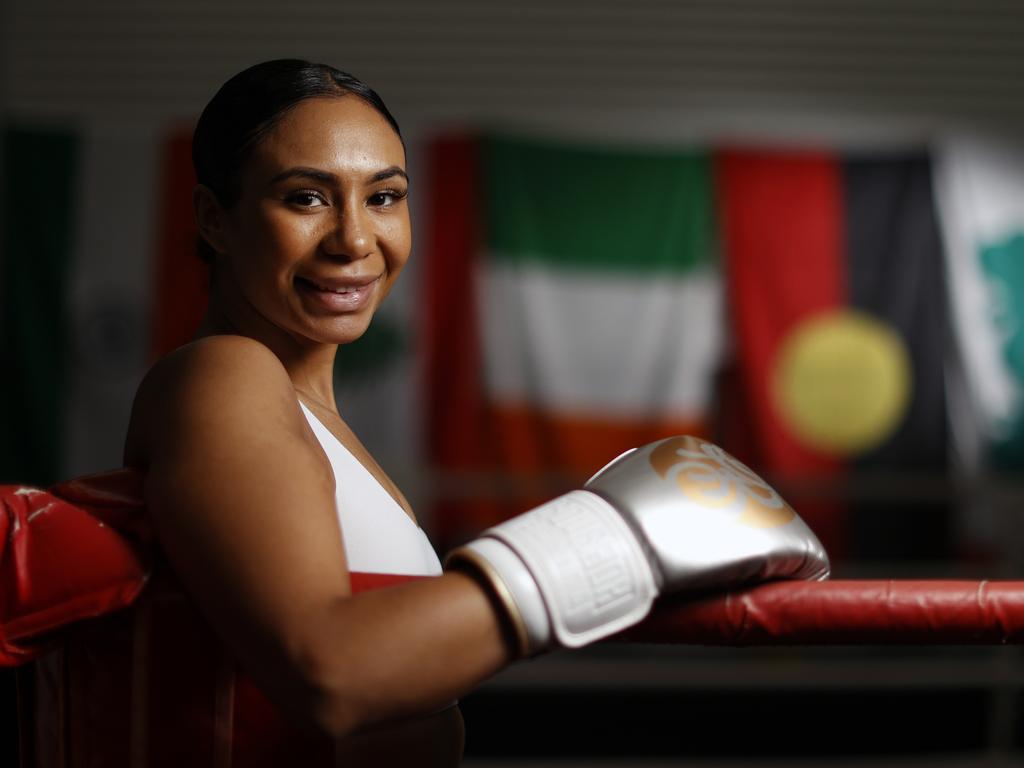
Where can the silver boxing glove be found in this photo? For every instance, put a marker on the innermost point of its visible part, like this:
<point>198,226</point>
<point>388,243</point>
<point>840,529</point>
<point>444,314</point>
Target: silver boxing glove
<point>677,514</point>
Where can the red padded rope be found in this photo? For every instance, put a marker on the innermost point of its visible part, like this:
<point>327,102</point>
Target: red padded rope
<point>862,612</point>
<point>84,549</point>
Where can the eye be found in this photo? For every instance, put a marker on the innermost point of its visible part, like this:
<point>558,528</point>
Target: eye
<point>307,198</point>
<point>385,198</point>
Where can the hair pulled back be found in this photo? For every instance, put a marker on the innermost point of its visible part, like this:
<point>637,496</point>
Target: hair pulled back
<point>246,109</point>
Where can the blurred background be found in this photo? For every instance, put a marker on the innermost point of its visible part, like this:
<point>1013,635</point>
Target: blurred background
<point>794,227</point>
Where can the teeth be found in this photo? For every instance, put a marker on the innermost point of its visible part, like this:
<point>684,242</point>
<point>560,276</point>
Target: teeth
<point>347,289</point>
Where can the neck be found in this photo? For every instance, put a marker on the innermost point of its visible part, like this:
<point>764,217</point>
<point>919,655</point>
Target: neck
<point>310,365</point>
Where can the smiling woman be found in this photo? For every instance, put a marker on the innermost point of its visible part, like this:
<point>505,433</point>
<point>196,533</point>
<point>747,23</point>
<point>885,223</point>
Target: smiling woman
<point>320,228</point>
<point>272,518</point>
<point>299,615</point>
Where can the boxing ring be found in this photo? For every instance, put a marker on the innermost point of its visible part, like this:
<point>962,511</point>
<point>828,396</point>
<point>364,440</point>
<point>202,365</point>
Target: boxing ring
<point>83,549</point>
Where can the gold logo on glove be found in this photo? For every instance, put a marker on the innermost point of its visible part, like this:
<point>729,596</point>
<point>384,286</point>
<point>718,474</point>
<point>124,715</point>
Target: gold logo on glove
<point>709,476</point>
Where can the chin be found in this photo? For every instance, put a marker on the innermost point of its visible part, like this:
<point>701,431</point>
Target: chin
<point>346,335</point>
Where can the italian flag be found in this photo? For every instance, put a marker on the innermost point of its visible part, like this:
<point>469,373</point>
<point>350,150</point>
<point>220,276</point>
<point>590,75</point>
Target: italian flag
<point>573,311</point>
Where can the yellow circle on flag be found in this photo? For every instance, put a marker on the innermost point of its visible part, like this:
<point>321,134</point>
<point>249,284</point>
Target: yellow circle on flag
<point>842,381</point>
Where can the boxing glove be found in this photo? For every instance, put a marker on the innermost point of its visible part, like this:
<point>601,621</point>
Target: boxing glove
<point>677,514</point>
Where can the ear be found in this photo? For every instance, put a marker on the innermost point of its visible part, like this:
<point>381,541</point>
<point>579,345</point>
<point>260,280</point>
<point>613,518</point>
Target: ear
<point>210,218</point>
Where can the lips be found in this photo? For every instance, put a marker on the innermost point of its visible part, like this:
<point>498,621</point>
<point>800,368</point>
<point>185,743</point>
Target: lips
<point>348,294</point>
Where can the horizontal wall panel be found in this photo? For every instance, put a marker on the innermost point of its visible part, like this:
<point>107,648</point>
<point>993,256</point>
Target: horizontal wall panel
<point>912,65</point>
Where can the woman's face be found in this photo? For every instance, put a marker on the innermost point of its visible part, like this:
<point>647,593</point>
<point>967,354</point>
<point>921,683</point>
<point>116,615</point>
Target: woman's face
<point>321,227</point>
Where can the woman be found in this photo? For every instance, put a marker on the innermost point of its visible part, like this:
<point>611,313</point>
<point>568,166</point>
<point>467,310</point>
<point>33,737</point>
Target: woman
<point>276,523</point>
<point>303,214</point>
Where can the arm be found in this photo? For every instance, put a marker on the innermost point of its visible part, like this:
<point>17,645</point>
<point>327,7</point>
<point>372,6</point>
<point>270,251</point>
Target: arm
<point>243,503</point>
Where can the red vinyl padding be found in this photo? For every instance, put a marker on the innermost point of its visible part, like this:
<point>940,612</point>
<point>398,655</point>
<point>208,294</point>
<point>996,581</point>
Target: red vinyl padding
<point>838,612</point>
<point>78,550</point>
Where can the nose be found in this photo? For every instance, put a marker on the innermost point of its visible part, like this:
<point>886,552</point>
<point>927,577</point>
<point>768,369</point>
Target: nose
<point>350,237</point>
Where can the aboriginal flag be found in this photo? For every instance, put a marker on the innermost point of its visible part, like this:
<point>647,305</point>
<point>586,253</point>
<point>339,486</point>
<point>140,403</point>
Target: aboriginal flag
<point>837,302</point>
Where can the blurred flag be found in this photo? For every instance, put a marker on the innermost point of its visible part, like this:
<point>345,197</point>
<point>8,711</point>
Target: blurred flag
<point>980,194</point>
<point>100,277</point>
<point>574,311</point>
<point>180,278</point>
<point>112,288</point>
<point>39,207</point>
<point>837,301</point>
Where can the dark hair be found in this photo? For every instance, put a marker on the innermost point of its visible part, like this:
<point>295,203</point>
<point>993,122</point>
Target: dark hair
<point>246,109</point>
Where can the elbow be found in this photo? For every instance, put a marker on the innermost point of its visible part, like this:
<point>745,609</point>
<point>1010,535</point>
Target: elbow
<point>335,699</point>
<point>333,718</point>
<point>344,680</point>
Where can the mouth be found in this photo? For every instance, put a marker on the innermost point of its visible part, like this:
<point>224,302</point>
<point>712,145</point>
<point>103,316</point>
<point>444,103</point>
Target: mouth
<point>338,285</point>
<point>338,295</point>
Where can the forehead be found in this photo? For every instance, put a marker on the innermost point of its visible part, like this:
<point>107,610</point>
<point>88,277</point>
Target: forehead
<point>337,134</point>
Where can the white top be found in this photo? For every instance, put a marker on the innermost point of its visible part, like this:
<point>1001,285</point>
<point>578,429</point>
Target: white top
<point>379,536</point>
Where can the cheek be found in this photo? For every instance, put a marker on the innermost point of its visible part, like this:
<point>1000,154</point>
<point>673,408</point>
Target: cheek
<point>281,240</point>
<point>399,244</point>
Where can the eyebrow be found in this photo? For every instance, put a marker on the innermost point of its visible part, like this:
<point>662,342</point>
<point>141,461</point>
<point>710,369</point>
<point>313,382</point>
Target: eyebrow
<point>330,178</point>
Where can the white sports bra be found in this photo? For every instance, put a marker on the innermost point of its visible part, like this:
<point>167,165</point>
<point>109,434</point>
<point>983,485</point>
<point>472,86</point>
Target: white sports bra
<point>378,535</point>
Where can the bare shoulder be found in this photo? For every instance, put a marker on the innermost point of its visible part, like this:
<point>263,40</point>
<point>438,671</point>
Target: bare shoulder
<point>216,367</point>
<point>211,382</point>
<point>219,434</point>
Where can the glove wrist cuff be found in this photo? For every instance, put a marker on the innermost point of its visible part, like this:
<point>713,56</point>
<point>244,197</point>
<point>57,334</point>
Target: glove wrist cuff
<point>514,587</point>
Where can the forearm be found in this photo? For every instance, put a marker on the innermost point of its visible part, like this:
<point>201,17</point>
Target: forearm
<point>389,653</point>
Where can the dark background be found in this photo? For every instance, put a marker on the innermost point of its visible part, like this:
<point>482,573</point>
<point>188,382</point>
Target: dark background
<point>844,75</point>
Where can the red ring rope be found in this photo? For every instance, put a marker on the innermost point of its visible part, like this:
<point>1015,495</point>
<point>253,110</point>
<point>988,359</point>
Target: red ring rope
<point>83,549</point>
<point>839,612</point>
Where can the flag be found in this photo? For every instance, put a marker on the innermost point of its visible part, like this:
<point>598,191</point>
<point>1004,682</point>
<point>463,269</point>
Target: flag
<point>980,194</point>
<point>837,302</point>
<point>573,312</point>
<point>38,218</point>
<point>87,277</point>
<point>110,289</point>
<point>180,278</point>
